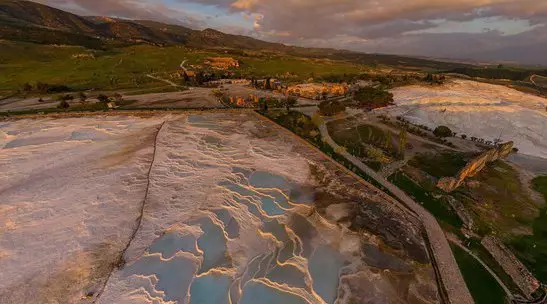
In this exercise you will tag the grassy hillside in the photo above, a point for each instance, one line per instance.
(32, 22)
(127, 67)
(483, 287)
(532, 250)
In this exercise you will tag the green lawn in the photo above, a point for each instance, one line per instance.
(440, 164)
(356, 140)
(441, 210)
(483, 287)
(532, 250)
(499, 203)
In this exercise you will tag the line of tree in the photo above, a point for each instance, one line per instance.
(373, 97)
(331, 108)
(498, 73)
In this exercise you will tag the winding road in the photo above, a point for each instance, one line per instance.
(450, 274)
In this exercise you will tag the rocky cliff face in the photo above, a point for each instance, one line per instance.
(474, 166)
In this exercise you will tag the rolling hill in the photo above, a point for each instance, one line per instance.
(33, 22)
(26, 20)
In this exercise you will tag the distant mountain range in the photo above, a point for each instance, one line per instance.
(33, 22)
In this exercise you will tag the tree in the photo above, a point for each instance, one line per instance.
(118, 97)
(200, 78)
(443, 131)
(66, 97)
(403, 140)
(373, 97)
(268, 85)
(103, 98)
(316, 119)
(185, 77)
(42, 87)
(290, 102)
(63, 105)
(83, 97)
(464, 136)
(27, 87)
(331, 108)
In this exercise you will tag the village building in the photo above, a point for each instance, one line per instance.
(230, 81)
(318, 90)
(222, 63)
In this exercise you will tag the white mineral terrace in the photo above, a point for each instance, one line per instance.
(477, 109)
(230, 216)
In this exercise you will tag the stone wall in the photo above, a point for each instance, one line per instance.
(473, 167)
(526, 282)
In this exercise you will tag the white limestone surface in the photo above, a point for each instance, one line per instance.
(70, 192)
(477, 109)
(230, 216)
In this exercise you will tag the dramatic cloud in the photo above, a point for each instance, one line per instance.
(130, 9)
(395, 26)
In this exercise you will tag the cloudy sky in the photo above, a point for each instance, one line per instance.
(498, 30)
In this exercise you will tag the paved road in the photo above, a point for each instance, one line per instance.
(451, 276)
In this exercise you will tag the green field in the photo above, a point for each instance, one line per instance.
(358, 139)
(127, 67)
(483, 287)
(440, 164)
(499, 202)
(441, 210)
(532, 250)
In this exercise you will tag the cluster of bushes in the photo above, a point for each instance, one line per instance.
(45, 88)
(297, 122)
(498, 73)
(392, 80)
(443, 131)
(423, 127)
(373, 97)
(424, 131)
(331, 108)
(434, 78)
(103, 100)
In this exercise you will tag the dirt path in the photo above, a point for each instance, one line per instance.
(450, 275)
(164, 80)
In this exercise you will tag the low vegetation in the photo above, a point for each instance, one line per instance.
(440, 164)
(498, 201)
(375, 145)
(443, 131)
(440, 209)
(532, 250)
(373, 97)
(331, 108)
(498, 72)
(483, 287)
(307, 128)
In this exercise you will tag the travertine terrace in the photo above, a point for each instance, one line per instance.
(478, 110)
(195, 208)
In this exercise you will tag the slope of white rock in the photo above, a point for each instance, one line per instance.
(477, 109)
(230, 216)
(70, 192)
